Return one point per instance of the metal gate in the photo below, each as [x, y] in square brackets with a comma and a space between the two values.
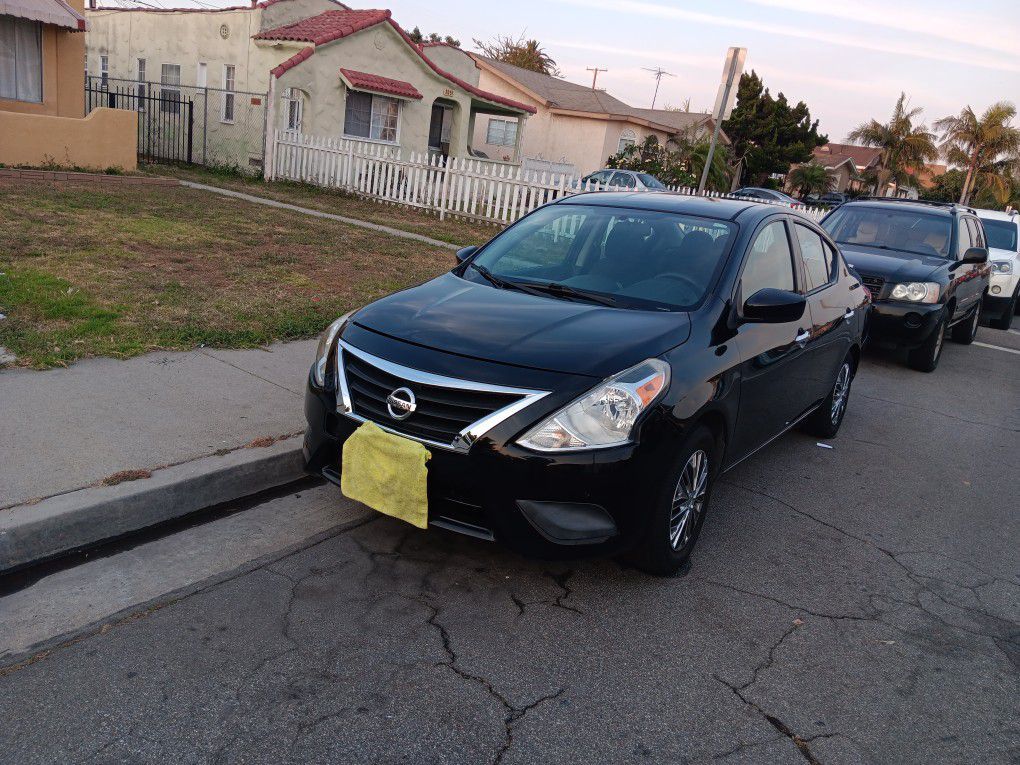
[166, 119]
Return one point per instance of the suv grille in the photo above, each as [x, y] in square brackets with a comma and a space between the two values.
[441, 413]
[874, 285]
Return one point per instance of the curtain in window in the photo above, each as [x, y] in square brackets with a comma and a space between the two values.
[384, 118]
[358, 119]
[20, 59]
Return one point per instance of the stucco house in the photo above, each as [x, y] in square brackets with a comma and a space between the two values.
[574, 125]
[325, 69]
[42, 120]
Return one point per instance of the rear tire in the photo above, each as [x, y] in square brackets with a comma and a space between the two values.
[680, 509]
[926, 357]
[965, 332]
[825, 421]
[1006, 320]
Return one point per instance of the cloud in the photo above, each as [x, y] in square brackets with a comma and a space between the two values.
[902, 48]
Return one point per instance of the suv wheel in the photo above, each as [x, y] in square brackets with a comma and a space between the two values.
[965, 332]
[680, 509]
[824, 422]
[1006, 320]
[926, 357]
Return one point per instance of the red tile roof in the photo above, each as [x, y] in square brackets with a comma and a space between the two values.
[326, 27]
[379, 84]
[291, 62]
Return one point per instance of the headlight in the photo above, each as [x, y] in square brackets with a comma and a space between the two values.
[325, 346]
[1002, 266]
[605, 416]
[916, 292]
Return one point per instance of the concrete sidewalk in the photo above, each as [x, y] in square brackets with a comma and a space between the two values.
[63, 429]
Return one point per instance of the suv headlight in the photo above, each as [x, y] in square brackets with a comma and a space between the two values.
[916, 292]
[605, 416]
[326, 341]
[1002, 266]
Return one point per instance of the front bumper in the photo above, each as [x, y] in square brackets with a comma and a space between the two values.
[1001, 288]
[594, 502]
[902, 324]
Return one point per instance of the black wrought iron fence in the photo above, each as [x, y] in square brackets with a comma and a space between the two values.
[166, 118]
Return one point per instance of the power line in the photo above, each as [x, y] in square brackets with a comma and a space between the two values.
[659, 73]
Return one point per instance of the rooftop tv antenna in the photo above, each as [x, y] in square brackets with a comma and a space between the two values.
[659, 73]
[595, 74]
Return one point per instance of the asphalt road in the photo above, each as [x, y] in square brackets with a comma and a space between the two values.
[845, 605]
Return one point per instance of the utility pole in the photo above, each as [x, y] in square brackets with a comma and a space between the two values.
[724, 102]
[658, 73]
[595, 74]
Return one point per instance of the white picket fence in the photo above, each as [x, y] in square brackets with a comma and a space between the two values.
[475, 189]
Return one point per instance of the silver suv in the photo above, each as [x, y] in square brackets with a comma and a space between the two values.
[624, 180]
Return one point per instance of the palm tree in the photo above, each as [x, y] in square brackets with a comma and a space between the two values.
[979, 145]
[810, 178]
[527, 54]
[904, 146]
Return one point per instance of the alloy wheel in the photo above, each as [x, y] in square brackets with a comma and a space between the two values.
[688, 499]
[840, 393]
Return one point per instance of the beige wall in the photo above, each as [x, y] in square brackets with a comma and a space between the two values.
[379, 50]
[63, 77]
[453, 60]
[105, 138]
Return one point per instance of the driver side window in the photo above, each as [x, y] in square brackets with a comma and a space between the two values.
[769, 262]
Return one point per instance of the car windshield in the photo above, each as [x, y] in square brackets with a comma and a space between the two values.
[1001, 234]
[650, 181]
[892, 229]
[626, 258]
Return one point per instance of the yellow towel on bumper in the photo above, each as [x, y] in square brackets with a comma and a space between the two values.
[387, 473]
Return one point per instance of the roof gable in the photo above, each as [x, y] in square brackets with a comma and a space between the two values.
[325, 27]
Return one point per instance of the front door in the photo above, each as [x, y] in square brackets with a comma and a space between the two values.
[439, 128]
[775, 388]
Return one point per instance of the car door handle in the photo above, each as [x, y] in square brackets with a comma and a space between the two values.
[802, 337]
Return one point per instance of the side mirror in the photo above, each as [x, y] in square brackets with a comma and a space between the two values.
[466, 252]
[772, 306]
[975, 255]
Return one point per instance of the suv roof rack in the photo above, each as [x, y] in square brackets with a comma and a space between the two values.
[930, 202]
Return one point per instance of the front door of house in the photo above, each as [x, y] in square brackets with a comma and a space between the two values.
[439, 129]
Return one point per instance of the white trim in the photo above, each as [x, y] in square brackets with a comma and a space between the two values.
[232, 92]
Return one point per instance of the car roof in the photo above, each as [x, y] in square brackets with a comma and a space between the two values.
[945, 210]
[706, 207]
[997, 215]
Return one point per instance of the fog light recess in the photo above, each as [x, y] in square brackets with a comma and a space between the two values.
[912, 320]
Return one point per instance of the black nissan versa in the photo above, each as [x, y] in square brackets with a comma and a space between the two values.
[583, 378]
[926, 266]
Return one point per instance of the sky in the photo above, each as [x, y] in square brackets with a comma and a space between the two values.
[847, 59]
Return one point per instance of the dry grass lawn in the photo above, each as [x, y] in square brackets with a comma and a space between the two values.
[117, 271]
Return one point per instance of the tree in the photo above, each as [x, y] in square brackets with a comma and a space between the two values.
[986, 146]
[419, 38]
[946, 187]
[810, 178]
[678, 162]
[767, 134]
[904, 146]
[527, 54]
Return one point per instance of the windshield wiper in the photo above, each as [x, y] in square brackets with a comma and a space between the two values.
[492, 278]
[565, 290]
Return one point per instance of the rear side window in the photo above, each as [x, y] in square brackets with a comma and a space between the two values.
[769, 263]
[817, 257]
[624, 180]
[977, 234]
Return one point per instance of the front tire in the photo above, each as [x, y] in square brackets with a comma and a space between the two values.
[965, 332]
[826, 420]
[926, 357]
[679, 512]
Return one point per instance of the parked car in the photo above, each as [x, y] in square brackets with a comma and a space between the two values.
[1003, 298]
[766, 195]
[584, 378]
[926, 266]
[625, 180]
[828, 199]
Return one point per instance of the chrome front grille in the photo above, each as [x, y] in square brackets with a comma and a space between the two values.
[449, 412]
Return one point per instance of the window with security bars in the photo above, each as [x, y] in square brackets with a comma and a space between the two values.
[293, 109]
[227, 112]
[501, 133]
[140, 88]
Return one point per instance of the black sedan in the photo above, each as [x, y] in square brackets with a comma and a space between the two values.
[581, 381]
[926, 266]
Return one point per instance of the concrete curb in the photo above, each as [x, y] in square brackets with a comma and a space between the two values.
[35, 532]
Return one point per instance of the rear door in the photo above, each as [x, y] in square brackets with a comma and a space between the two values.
[775, 389]
[828, 302]
[966, 281]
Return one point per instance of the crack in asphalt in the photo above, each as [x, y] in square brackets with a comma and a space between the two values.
[561, 580]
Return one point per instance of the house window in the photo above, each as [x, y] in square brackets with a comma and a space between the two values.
[170, 97]
[104, 72]
[20, 59]
[293, 108]
[202, 75]
[374, 117]
[228, 93]
[501, 133]
[627, 139]
[140, 88]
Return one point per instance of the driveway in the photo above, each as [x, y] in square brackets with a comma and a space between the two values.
[845, 605]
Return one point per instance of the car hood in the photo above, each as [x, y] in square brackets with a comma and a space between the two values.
[994, 253]
[458, 316]
[891, 265]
